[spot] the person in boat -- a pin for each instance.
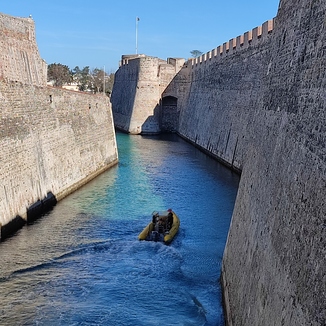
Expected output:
(156, 221)
(170, 220)
(161, 224)
(154, 218)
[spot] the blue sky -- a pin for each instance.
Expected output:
(96, 34)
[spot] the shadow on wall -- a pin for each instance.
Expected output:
(165, 117)
(122, 97)
(152, 123)
(35, 211)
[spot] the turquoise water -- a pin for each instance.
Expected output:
(82, 263)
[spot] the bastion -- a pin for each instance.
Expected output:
(137, 90)
(52, 140)
(257, 104)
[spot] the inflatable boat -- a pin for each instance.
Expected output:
(163, 227)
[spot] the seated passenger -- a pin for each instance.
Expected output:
(170, 220)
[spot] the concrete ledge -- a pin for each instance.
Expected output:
(217, 158)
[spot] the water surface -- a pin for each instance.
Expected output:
(82, 263)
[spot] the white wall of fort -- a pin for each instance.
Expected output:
(136, 108)
(259, 108)
(51, 139)
(19, 57)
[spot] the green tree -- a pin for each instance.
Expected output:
(59, 74)
(97, 80)
(81, 78)
(86, 79)
(196, 53)
(109, 81)
(100, 79)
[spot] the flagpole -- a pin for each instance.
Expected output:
(137, 20)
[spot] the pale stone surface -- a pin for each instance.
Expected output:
(137, 90)
(262, 111)
(51, 140)
(19, 57)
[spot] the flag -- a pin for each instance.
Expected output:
(137, 18)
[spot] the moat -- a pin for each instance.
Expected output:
(83, 264)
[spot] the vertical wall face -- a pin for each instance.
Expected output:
(274, 269)
(19, 57)
(174, 98)
(136, 94)
(51, 140)
(260, 108)
(224, 94)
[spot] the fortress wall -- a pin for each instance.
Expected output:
(19, 57)
(274, 269)
(222, 100)
(145, 115)
(261, 110)
(123, 97)
(136, 107)
(52, 140)
(176, 94)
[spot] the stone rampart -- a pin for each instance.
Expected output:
(274, 270)
(261, 110)
(136, 108)
(19, 57)
(52, 140)
(220, 101)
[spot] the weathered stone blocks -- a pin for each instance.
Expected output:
(136, 95)
(52, 140)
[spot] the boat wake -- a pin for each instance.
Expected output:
(97, 246)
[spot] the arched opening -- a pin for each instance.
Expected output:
(169, 114)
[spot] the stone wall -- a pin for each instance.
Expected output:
(261, 110)
(52, 140)
(274, 270)
(216, 91)
(137, 90)
(19, 57)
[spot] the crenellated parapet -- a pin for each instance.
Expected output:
(241, 42)
(20, 60)
(126, 57)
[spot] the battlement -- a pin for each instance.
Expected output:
(236, 44)
(126, 57)
(176, 63)
(19, 56)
